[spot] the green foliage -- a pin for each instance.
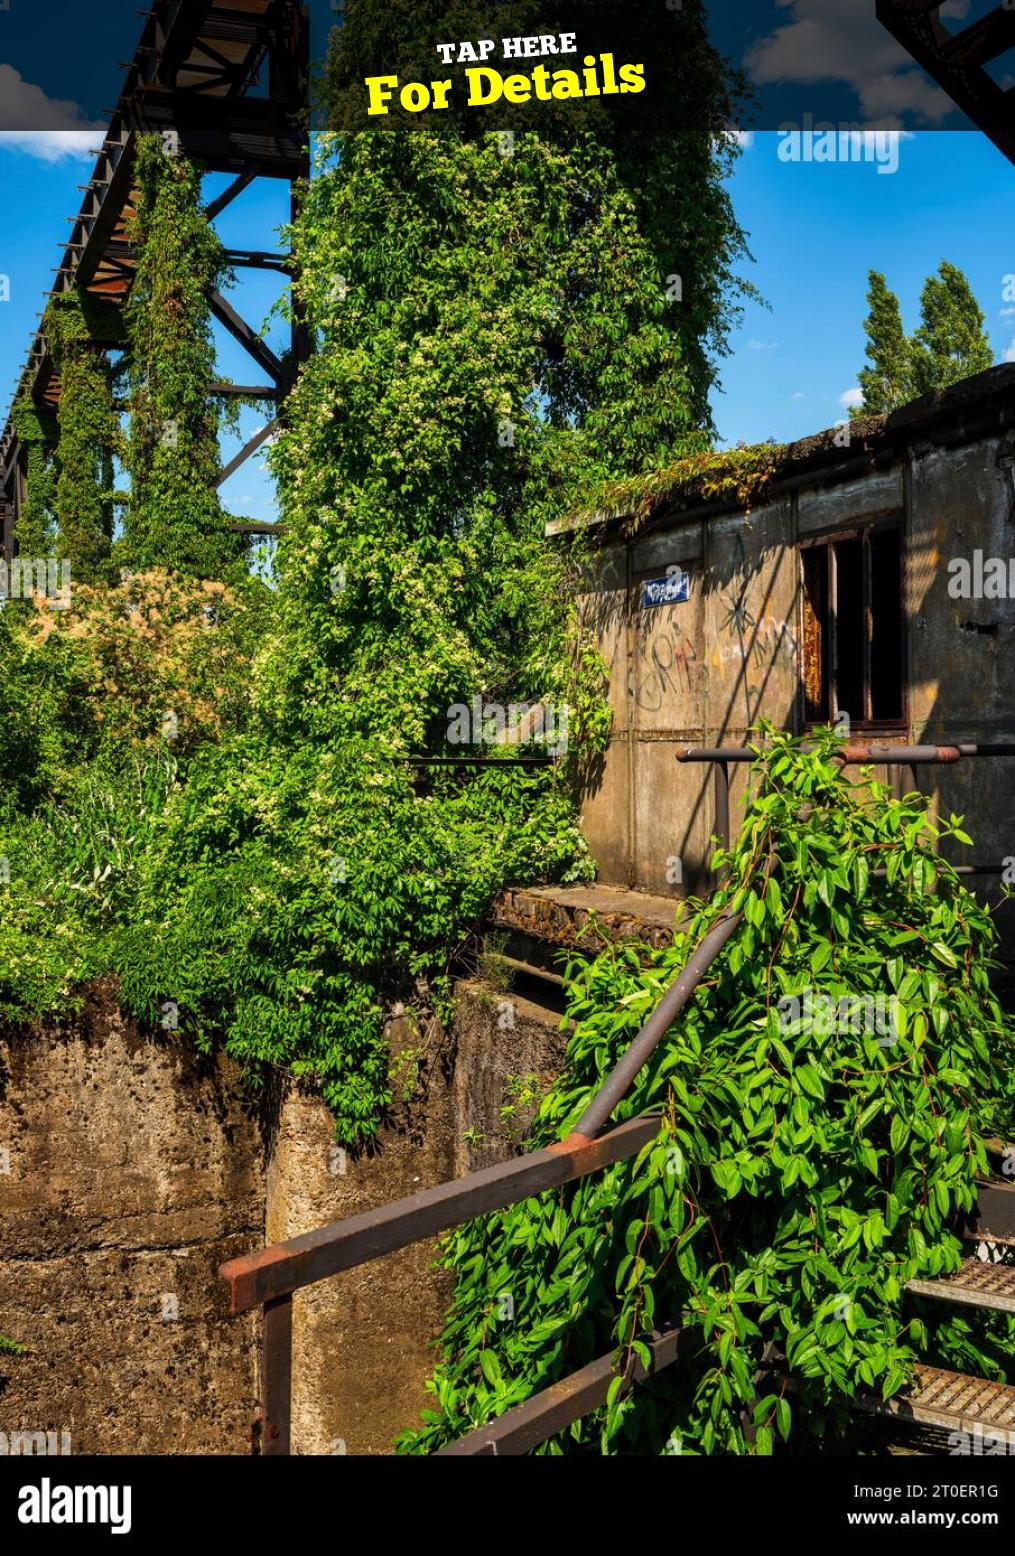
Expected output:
(73, 882)
(494, 336)
(805, 1169)
(887, 382)
(35, 524)
(744, 473)
(78, 328)
(950, 344)
(175, 518)
(292, 896)
(37, 429)
(157, 663)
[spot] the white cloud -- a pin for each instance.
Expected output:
(762, 345)
(47, 128)
(1009, 355)
(744, 138)
(799, 395)
(852, 398)
(1007, 313)
(837, 40)
(52, 145)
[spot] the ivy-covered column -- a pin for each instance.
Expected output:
(175, 517)
(79, 329)
(38, 431)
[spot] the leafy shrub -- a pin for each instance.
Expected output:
(800, 1176)
(72, 881)
(291, 896)
(159, 662)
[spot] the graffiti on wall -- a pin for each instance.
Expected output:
(668, 665)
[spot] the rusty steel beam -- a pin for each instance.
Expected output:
(956, 60)
(554, 1408)
(286, 1267)
(276, 1381)
(249, 448)
(247, 134)
(246, 336)
(228, 195)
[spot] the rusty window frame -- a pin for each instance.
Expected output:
(828, 539)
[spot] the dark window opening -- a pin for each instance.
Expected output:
(853, 633)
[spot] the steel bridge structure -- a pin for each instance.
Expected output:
(226, 82)
(958, 60)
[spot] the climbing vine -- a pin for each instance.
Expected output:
(175, 517)
(824, 1104)
(37, 430)
(81, 330)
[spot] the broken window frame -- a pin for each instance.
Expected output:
(827, 540)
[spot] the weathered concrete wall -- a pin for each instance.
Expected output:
(136, 1169)
(362, 1339)
(133, 1169)
(509, 1053)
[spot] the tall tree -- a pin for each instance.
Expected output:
(951, 342)
(887, 382)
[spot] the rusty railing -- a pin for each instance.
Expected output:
(896, 758)
(270, 1277)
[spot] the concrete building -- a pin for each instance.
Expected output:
(867, 571)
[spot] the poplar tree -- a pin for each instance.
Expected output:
(951, 342)
(887, 382)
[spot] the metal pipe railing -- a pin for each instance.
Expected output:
(894, 757)
(851, 754)
(269, 1277)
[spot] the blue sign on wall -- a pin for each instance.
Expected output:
(674, 589)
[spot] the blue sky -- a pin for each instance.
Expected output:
(815, 229)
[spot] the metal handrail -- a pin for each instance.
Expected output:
(894, 757)
(269, 1277)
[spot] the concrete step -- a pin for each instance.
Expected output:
(584, 917)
